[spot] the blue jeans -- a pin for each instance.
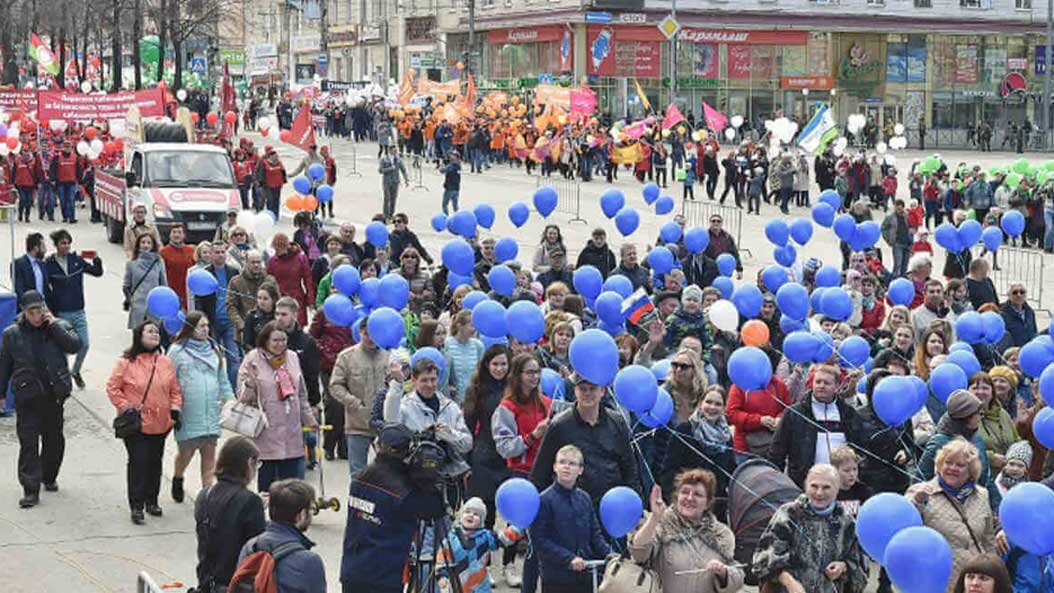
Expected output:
(450, 197)
(477, 160)
(224, 331)
(79, 321)
(273, 470)
(68, 200)
(46, 201)
(1048, 238)
(25, 201)
(358, 452)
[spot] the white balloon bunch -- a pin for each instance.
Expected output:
(737, 121)
(898, 129)
(890, 160)
(881, 147)
(83, 148)
(898, 142)
(782, 129)
(856, 122)
(838, 146)
(730, 134)
(181, 94)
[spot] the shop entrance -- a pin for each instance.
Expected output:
(885, 116)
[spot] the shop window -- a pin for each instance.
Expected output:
(923, 4)
(976, 4)
(1023, 4)
(876, 2)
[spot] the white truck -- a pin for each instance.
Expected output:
(177, 180)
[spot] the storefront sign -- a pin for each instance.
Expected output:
(755, 62)
(858, 65)
(263, 65)
(341, 37)
(81, 107)
(1013, 83)
(609, 56)
(635, 18)
(329, 86)
(693, 83)
(305, 73)
(966, 64)
(305, 43)
(1017, 63)
(233, 57)
(705, 60)
(814, 83)
(419, 29)
(526, 35)
(265, 50)
(693, 35)
(599, 18)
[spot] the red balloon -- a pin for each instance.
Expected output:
(12, 142)
(212, 118)
(284, 135)
(230, 117)
(194, 117)
(118, 143)
(90, 132)
(109, 148)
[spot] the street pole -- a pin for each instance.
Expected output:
(323, 37)
(472, 34)
(387, 49)
(1046, 73)
(673, 55)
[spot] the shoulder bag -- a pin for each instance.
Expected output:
(127, 304)
(130, 422)
(244, 419)
(623, 575)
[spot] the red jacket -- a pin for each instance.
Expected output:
(512, 425)
(745, 410)
(130, 379)
(27, 173)
(915, 216)
(178, 261)
(872, 320)
(331, 339)
(293, 275)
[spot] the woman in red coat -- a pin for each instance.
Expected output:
(755, 416)
(289, 266)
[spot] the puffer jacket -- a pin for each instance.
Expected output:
(600, 258)
(284, 436)
(128, 384)
(331, 340)
(357, 375)
(203, 381)
(23, 348)
(998, 432)
(940, 513)
(883, 442)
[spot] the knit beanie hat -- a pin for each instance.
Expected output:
(962, 404)
(1021, 451)
(475, 506)
(1004, 372)
(692, 292)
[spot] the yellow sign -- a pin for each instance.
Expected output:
(669, 27)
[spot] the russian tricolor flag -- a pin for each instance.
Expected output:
(636, 306)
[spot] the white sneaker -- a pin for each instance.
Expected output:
(512, 578)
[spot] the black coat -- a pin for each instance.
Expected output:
(307, 351)
(721, 461)
(794, 445)
(878, 469)
(25, 279)
(33, 360)
(489, 469)
(227, 515)
(600, 258)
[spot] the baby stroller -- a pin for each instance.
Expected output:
(756, 491)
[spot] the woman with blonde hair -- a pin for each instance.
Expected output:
(686, 383)
(897, 316)
(555, 354)
(463, 352)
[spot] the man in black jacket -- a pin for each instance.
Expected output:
(402, 237)
(810, 430)
(33, 362)
(596, 253)
(630, 267)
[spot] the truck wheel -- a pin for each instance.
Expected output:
(114, 230)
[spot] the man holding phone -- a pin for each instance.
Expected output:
(64, 290)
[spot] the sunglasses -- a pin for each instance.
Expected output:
(410, 257)
(716, 221)
(680, 366)
(1017, 292)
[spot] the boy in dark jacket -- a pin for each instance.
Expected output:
(566, 532)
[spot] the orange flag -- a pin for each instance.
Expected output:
(406, 88)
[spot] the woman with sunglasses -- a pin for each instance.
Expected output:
(415, 275)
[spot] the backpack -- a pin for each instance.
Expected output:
(256, 573)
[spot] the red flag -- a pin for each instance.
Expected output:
(470, 94)
(673, 117)
(715, 120)
(228, 102)
(302, 133)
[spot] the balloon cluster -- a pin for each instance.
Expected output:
(304, 199)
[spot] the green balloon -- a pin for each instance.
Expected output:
(1043, 176)
(971, 214)
(1021, 166)
(149, 49)
(1049, 165)
(1013, 180)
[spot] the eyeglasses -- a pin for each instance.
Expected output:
(715, 221)
(531, 371)
(1021, 291)
(680, 366)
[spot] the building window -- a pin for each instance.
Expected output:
(976, 4)
(487, 3)
(1023, 4)
(876, 2)
(923, 4)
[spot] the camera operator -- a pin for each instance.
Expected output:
(386, 503)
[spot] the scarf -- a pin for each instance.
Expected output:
(826, 511)
(276, 362)
(283, 378)
(868, 302)
(960, 494)
(202, 350)
(1007, 482)
(710, 432)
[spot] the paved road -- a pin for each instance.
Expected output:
(80, 539)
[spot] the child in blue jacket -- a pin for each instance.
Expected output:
(468, 549)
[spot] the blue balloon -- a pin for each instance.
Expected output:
(619, 284)
(969, 233)
(489, 341)
(174, 325)
(967, 361)
(801, 230)
(302, 185)
(865, 235)
(316, 171)
(651, 193)
(1013, 222)
(919, 560)
(828, 276)
(552, 384)
(1025, 516)
(453, 280)
(517, 500)
(488, 318)
(377, 234)
(831, 198)
(945, 379)
(472, 299)
(439, 222)
(882, 517)
(823, 214)
(664, 205)
(594, 356)
(670, 232)
(969, 327)
(793, 300)
(724, 284)
(661, 370)
(854, 351)
(518, 214)
(525, 321)
(1043, 423)
(545, 199)
(785, 255)
(506, 249)
(922, 390)
(660, 259)
(1034, 358)
(947, 236)
(901, 292)
(611, 330)
(660, 413)
(836, 304)
(162, 302)
(484, 215)
(339, 310)
(750, 368)
(992, 238)
(824, 347)
(626, 221)
(620, 510)
(463, 222)
(774, 276)
(844, 227)
(609, 307)
(788, 324)
(777, 232)
(636, 389)
(815, 299)
(895, 400)
(799, 347)
(587, 281)
(747, 299)
(202, 283)
(502, 279)
(458, 257)
(395, 291)
(726, 264)
(386, 327)
(611, 201)
(431, 354)
(696, 239)
(861, 385)
(370, 292)
(324, 193)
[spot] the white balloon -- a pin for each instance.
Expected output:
(245, 219)
(86, 87)
(12, 131)
(842, 142)
(769, 125)
(890, 160)
(898, 129)
(737, 120)
(852, 127)
(181, 94)
(82, 148)
(837, 150)
(4, 150)
(96, 146)
(881, 147)
(730, 134)
(263, 123)
(262, 226)
(724, 316)
(17, 149)
(94, 154)
(696, 136)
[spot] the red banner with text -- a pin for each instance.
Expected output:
(82, 107)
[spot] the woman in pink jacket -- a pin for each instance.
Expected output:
(145, 379)
(270, 379)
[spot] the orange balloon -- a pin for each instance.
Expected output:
(755, 333)
(311, 202)
(295, 202)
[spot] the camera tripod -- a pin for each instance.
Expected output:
(426, 564)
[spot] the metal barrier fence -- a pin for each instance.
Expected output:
(698, 213)
(350, 164)
(569, 195)
(145, 584)
(1020, 265)
(417, 172)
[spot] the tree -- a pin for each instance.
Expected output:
(187, 19)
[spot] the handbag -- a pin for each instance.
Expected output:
(623, 575)
(127, 304)
(243, 419)
(759, 441)
(130, 422)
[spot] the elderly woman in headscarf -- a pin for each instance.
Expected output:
(689, 548)
(962, 419)
(810, 543)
